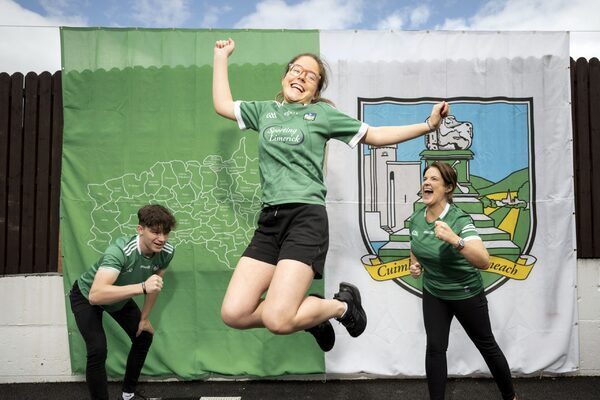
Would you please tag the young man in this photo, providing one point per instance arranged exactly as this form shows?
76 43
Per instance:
131 266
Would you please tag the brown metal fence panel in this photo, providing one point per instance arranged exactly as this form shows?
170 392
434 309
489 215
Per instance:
30 151
585 79
581 156
54 263
4 127
15 163
42 194
594 132
28 173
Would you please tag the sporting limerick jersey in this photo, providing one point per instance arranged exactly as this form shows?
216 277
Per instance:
125 257
291 147
446 273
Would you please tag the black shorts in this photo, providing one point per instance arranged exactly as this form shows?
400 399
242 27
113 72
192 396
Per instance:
291 231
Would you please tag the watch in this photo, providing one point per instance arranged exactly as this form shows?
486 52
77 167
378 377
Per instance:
460 245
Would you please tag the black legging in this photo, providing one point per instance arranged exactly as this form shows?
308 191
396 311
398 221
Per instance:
473 315
89 322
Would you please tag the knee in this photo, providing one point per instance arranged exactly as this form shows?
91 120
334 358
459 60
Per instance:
233 317
277 322
436 348
489 348
96 352
144 339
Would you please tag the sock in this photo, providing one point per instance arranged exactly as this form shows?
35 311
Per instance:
127 396
345 310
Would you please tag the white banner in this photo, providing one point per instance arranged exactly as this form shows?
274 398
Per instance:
509 138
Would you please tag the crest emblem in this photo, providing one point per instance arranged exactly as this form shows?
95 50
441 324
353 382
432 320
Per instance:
489 143
310 116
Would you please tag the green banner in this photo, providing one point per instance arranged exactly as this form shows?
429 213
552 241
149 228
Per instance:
139 127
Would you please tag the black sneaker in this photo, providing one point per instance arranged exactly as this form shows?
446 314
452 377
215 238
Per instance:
355 318
323 333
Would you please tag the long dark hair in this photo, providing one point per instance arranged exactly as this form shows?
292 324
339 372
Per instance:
323 81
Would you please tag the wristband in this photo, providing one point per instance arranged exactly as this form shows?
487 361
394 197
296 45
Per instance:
429 125
144 287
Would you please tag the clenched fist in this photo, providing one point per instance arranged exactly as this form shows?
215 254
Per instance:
153 284
443 232
415 270
224 47
438 113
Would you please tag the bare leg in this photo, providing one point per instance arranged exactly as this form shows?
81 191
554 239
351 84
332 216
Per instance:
242 305
286 308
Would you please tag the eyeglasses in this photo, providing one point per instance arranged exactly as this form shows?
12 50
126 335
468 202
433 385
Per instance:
297 70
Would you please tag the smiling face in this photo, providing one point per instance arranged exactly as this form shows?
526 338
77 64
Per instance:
434 190
152 240
298 85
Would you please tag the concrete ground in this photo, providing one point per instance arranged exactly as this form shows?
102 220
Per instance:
563 388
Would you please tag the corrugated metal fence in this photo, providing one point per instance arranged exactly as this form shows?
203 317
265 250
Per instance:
31 123
585 106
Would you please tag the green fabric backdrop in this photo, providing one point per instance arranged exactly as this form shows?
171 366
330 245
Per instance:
139 127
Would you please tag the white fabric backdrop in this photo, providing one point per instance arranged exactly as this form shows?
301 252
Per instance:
534 320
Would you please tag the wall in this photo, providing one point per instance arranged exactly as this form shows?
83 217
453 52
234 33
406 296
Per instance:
588 299
33 330
33 327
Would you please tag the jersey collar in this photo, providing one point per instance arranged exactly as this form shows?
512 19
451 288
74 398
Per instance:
285 103
139 249
441 216
137 241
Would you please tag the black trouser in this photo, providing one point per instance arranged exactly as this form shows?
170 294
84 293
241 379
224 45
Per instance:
473 315
89 322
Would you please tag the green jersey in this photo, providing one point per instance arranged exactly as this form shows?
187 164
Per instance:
291 147
446 273
125 257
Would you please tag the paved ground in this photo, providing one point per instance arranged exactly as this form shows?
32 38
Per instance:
571 388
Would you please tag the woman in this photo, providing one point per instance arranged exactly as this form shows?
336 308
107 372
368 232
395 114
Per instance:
290 244
447 251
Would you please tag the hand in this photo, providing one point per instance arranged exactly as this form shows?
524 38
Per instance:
438 112
145 325
224 47
443 232
415 270
153 284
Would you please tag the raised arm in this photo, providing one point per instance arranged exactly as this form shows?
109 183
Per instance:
385 135
222 99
